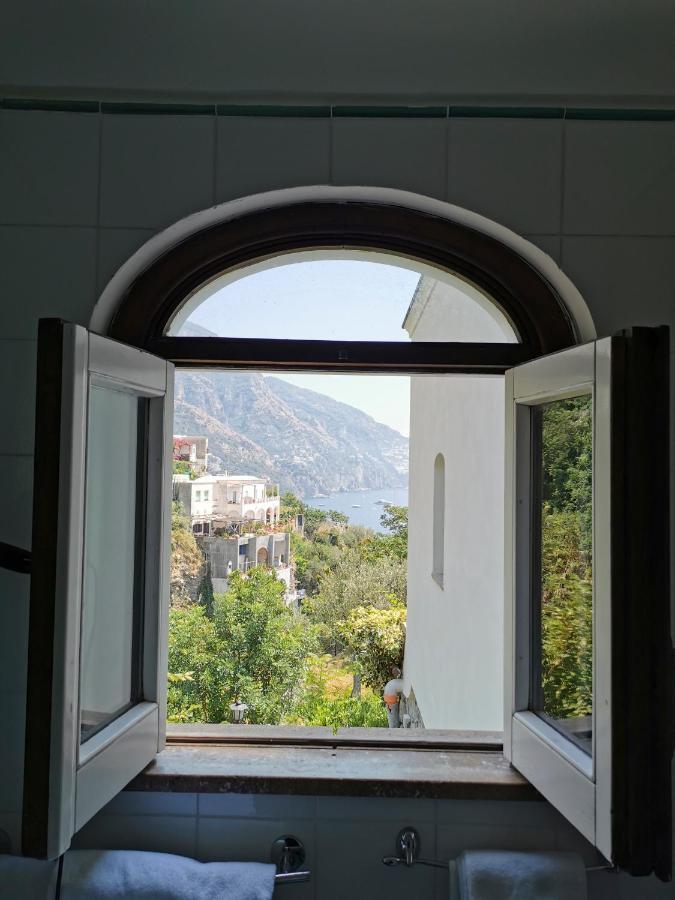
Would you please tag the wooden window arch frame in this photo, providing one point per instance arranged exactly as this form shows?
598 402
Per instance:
529 300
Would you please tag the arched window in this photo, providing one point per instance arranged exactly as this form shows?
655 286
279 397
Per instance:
458 263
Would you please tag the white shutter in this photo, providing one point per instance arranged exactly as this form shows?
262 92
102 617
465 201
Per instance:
99 578
607 771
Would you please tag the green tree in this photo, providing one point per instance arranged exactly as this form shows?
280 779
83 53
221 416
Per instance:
376 640
198 667
566 558
356 581
205 595
567 456
253 649
267 643
312 560
567 618
395 541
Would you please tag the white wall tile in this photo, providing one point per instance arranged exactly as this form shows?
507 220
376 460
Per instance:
262 154
17 399
115 246
619 178
451 840
16 478
484 812
29 879
507 170
349 861
13 718
45 272
625 281
10 832
259 806
14 605
155 169
249 839
151 803
48 167
161 834
549 243
376 809
399 153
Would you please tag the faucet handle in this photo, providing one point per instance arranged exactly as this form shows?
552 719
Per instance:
408 845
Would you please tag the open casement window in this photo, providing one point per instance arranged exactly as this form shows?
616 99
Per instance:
588 651
99 588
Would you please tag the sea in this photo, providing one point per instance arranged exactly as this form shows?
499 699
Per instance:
362 506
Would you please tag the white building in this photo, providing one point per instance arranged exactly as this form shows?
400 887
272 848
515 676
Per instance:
213 501
241 553
453 657
192 449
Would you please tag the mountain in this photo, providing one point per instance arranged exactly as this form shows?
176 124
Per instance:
304 441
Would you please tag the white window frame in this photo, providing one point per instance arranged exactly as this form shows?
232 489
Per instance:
66 785
578 785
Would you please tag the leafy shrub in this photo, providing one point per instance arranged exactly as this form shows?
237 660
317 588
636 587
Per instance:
567 618
320 705
376 639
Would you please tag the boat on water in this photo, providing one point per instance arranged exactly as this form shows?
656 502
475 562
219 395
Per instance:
356 506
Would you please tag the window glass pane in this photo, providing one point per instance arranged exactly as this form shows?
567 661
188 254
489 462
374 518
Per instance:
111 590
563 627
342 296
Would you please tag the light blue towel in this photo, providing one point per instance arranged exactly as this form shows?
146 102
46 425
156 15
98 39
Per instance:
22 878
503 875
116 874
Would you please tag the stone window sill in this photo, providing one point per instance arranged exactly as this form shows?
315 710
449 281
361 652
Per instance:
352 762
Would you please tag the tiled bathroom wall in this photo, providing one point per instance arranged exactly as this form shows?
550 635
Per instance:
81 190
345 838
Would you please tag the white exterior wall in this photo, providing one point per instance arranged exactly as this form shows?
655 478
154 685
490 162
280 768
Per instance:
454 645
453 658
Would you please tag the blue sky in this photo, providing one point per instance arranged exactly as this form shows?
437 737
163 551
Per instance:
324 300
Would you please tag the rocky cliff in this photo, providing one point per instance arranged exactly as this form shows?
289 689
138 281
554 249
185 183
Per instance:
305 441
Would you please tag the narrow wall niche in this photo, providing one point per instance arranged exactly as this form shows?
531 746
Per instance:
438 520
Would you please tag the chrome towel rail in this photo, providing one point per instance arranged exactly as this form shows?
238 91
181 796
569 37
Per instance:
288 855
291 877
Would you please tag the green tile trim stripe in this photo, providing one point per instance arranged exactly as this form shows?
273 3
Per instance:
622 115
87 106
507 112
295 112
391 112
325 112
159 109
